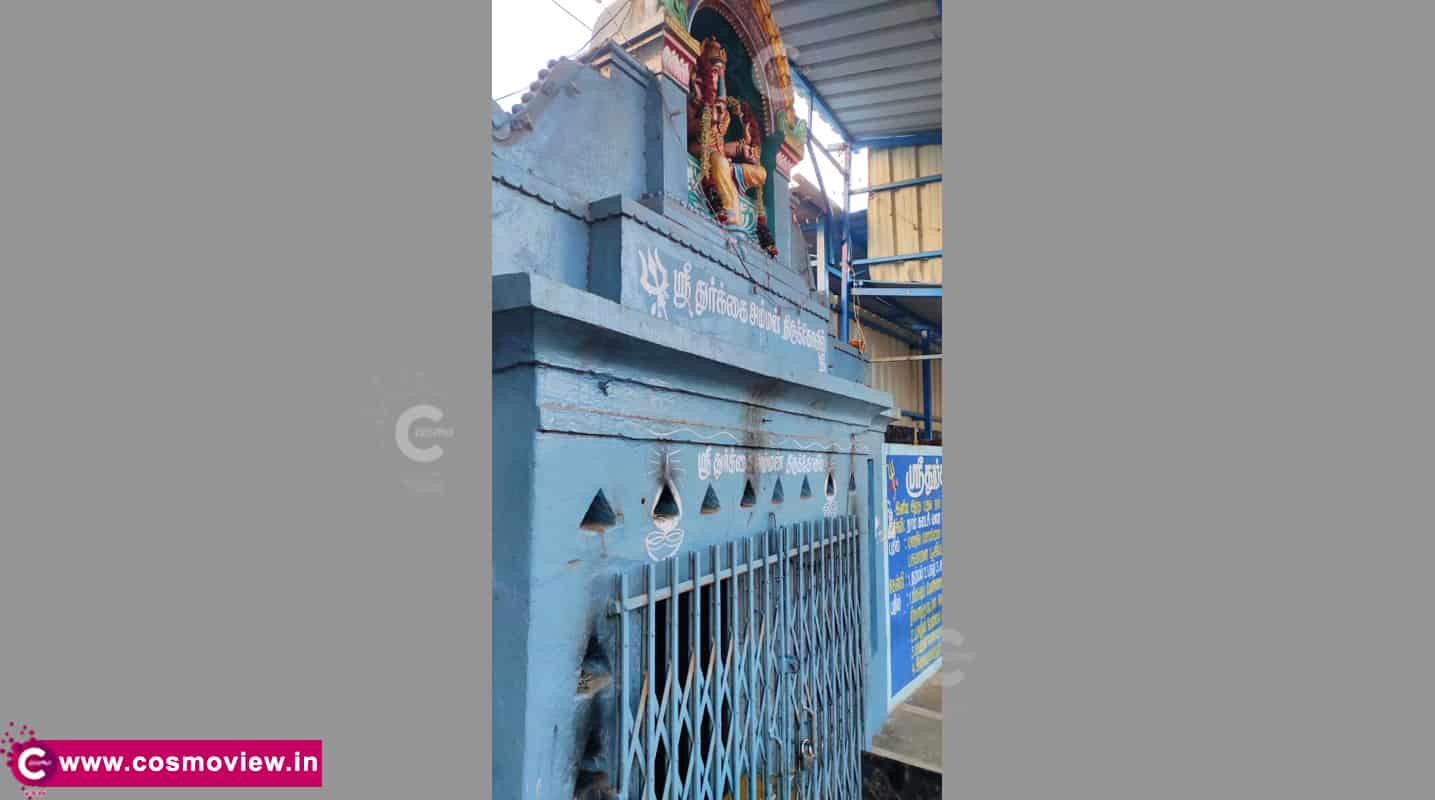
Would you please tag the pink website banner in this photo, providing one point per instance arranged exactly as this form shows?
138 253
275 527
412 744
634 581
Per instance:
159 763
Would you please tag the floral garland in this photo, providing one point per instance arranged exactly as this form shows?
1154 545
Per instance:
707 138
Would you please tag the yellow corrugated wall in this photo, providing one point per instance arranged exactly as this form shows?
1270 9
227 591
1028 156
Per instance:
908 220
905 221
903 379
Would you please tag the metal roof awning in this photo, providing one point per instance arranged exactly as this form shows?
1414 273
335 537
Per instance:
916 302
874 66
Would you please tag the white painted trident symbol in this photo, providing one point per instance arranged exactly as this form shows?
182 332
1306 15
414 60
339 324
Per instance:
654 279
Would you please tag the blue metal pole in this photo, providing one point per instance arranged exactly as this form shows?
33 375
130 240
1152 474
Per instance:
901 140
926 397
891 327
824 151
829 239
846 238
821 103
867 262
847 203
862 289
916 416
895 185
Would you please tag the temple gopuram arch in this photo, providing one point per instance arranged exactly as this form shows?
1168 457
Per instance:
752 21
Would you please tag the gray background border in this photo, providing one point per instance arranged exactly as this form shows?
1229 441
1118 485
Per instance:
1189 393
237 239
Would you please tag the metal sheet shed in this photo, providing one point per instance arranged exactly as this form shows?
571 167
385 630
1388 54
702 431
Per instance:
875 65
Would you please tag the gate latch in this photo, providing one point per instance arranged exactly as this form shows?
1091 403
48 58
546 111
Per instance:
809 754
806 749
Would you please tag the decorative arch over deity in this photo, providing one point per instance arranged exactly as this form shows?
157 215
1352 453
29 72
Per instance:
741 122
742 129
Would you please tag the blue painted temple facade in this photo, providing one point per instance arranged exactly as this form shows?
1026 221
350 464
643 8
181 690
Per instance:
687 465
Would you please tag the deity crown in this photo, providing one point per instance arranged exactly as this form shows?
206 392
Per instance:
712 51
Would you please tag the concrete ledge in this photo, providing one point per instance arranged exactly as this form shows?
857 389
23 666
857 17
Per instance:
708 243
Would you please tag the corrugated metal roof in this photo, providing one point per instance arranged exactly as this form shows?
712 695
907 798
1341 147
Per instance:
875 64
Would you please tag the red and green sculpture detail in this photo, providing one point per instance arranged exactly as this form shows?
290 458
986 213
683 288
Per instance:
729 155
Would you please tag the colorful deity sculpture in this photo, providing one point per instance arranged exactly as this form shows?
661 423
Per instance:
730 169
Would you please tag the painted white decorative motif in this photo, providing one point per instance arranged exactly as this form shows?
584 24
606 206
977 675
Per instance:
654 279
666 539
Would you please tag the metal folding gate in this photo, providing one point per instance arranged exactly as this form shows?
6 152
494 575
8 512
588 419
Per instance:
741 667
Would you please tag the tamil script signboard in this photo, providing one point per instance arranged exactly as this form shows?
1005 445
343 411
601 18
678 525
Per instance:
913 537
642 261
664 280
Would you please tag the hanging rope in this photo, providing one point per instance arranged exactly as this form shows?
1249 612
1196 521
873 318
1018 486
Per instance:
860 341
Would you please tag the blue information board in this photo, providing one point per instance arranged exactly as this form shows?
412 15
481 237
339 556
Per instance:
913 481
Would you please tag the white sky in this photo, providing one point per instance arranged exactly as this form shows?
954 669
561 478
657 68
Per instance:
527 34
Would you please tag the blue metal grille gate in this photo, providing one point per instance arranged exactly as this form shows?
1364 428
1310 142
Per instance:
744 670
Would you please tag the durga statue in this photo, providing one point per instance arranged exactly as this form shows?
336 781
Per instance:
729 168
